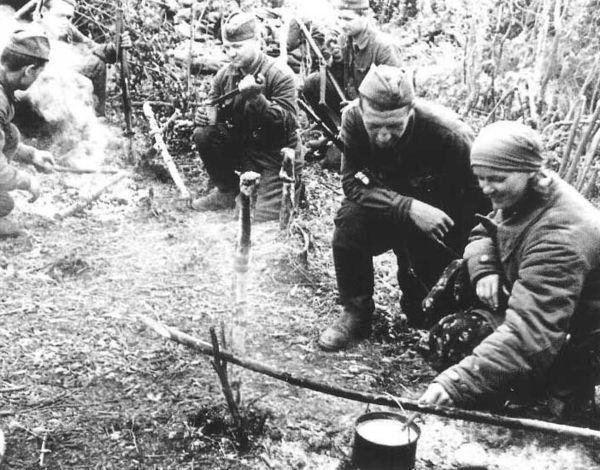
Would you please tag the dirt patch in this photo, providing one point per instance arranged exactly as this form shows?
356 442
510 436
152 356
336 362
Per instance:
95 389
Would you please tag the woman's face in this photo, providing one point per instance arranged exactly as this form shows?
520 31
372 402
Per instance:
504 188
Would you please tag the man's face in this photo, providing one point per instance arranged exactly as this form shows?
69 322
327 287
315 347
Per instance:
350 22
242 54
504 188
28 76
385 128
58 17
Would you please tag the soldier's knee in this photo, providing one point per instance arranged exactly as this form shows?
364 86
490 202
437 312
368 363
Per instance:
205 137
7 204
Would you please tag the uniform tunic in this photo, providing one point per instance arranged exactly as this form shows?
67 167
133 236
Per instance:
250 134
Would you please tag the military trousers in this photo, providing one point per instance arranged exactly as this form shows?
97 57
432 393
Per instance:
360 234
222 151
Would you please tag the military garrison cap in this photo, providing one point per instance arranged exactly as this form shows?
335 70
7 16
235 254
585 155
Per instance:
30 41
239 27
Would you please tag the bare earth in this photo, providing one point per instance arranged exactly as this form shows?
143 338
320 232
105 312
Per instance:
83 385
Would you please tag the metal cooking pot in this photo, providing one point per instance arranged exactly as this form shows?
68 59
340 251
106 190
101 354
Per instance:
380 443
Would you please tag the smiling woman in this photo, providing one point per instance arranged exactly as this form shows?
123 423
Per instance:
535 268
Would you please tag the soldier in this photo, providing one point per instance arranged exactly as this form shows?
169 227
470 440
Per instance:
250 129
22 60
535 267
57 17
360 46
409 187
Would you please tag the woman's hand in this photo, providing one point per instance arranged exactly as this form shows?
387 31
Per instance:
488 290
436 395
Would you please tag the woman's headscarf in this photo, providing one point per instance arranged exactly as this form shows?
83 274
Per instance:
508 146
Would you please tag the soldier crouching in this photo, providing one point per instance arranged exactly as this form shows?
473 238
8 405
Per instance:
247 131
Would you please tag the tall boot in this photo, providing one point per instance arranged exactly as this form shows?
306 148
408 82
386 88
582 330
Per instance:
354 324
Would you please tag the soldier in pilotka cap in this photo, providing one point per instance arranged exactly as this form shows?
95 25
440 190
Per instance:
351 55
409 187
250 129
57 20
23 59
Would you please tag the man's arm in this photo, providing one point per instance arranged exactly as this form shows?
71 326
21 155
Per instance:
280 108
371 194
10 177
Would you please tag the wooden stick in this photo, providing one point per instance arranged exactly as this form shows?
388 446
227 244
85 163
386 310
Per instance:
365 397
220 366
87 201
582 145
287 175
156 131
82 171
589 159
592 184
504 97
579 107
124 73
25 9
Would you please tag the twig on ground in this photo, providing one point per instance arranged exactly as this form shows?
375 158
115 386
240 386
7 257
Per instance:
87 201
164 151
43 450
82 171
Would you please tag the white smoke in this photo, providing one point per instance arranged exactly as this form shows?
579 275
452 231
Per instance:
64 98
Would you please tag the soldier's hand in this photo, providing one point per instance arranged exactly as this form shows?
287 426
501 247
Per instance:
434 222
333 48
34 188
126 42
43 161
201 117
436 395
251 87
488 290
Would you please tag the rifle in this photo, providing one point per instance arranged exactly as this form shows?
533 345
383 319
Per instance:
326 130
323 69
124 78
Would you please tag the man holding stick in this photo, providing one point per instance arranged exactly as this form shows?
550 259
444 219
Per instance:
409 187
22 61
249 129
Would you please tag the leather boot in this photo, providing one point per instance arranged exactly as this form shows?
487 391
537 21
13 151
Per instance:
215 200
353 325
9 229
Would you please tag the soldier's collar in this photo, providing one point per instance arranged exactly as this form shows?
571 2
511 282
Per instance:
361 40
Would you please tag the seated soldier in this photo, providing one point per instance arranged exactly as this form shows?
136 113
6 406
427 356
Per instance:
252 127
408 183
360 47
22 60
535 267
57 16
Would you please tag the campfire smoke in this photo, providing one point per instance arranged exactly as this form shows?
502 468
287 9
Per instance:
59 111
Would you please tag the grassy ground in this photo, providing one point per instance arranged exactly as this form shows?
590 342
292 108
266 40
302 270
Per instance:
85 386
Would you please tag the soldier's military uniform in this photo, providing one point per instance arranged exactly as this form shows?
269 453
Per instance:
250 134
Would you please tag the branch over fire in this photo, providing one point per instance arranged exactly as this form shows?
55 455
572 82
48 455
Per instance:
365 397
